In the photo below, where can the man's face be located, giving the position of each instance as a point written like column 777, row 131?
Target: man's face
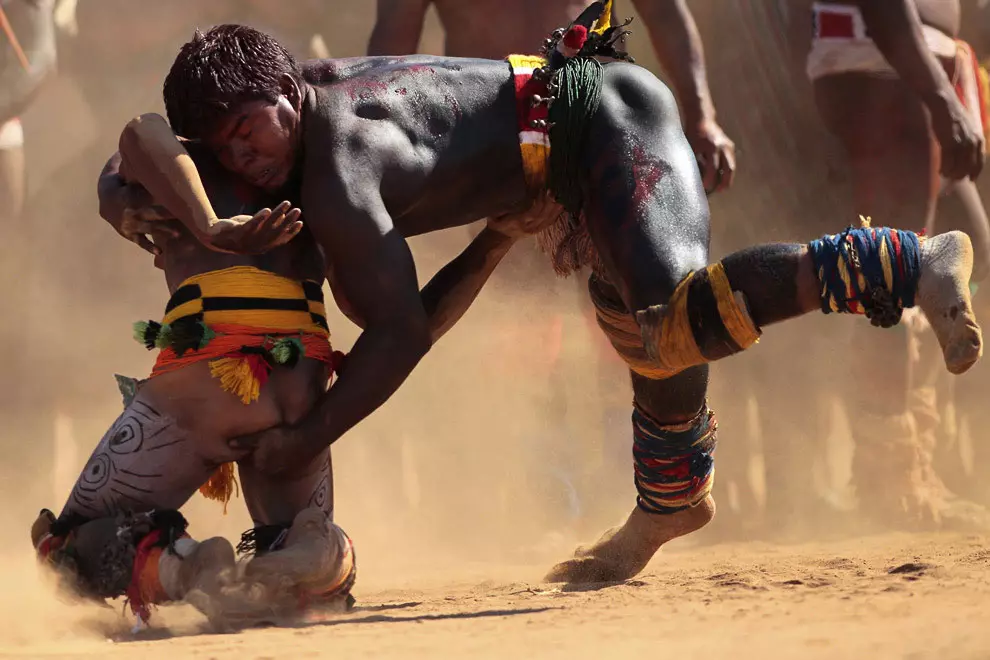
column 258, row 142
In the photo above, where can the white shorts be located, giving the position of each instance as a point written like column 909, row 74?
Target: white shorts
column 840, row 43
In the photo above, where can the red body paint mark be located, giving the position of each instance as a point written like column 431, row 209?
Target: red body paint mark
column 646, row 176
column 452, row 103
column 326, row 72
column 364, row 89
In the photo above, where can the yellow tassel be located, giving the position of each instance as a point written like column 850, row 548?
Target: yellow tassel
column 235, row 377
column 535, row 158
column 865, row 222
column 604, row 22
column 221, row 485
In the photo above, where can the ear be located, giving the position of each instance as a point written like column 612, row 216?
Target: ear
column 291, row 91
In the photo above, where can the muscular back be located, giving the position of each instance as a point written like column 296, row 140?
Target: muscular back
column 444, row 131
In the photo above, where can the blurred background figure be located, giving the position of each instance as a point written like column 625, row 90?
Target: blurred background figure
column 27, row 63
column 898, row 118
column 966, row 417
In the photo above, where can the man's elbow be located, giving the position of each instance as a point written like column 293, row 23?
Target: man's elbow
column 419, row 339
column 410, row 336
column 406, row 337
column 134, row 132
column 108, row 182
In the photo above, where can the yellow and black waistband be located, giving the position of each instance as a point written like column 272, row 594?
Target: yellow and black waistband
column 245, row 295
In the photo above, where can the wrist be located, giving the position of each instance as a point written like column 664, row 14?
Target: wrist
column 207, row 222
column 498, row 239
column 698, row 122
column 698, row 111
column 939, row 100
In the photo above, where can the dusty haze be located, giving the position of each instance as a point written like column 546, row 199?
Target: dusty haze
column 511, row 441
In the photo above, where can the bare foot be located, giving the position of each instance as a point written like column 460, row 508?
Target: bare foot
column 622, row 552
column 943, row 295
column 314, row 567
column 238, row 606
column 309, row 554
column 204, row 575
column 209, row 565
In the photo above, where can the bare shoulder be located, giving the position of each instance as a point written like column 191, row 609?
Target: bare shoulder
column 340, row 145
column 635, row 89
column 358, row 131
column 342, row 170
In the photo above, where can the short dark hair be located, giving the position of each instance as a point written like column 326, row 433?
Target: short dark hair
column 220, row 70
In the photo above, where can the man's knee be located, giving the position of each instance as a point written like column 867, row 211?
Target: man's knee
column 631, row 91
column 704, row 321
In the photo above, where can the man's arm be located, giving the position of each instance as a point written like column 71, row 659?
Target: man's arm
column 374, row 269
column 130, row 209
column 398, row 27
column 454, row 288
column 153, row 156
column 373, row 280
column 678, row 46
column 895, row 27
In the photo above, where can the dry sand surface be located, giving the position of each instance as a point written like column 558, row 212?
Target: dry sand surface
column 882, row 596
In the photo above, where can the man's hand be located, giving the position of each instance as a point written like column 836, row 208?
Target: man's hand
column 278, row 449
column 715, row 152
column 543, row 213
column 266, row 229
column 140, row 217
column 961, row 141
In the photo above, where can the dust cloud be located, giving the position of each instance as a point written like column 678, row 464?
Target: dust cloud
column 511, row 442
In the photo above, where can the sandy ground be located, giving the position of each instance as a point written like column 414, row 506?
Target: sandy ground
column 884, row 596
